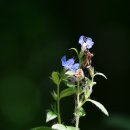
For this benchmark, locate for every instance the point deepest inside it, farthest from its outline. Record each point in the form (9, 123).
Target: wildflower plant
(78, 75)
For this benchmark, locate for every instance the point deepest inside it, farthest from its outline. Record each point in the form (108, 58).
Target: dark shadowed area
(34, 35)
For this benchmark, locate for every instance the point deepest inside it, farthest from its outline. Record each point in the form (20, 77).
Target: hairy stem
(58, 104)
(88, 95)
(77, 107)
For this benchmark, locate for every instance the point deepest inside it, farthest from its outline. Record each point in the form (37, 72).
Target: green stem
(77, 107)
(85, 100)
(58, 104)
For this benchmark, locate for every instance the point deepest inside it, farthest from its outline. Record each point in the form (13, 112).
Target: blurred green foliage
(121, 122)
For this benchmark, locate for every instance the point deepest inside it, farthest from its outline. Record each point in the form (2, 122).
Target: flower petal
(70, 62)
(89, 42)
(63, 60)
(81, 40)
(75, 67)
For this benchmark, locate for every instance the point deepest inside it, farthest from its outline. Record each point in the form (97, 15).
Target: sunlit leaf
(67, 92)
(55, 127)
(55, 78)
(50, 116)
(101, 74)
(62, 127)
(70, 128)
(100, 106)
(41, 128)
(74, 50)
(58, 127)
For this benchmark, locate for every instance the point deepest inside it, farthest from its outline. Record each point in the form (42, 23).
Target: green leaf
(58, 127)
(62, 127)
(54, 95)
(70, 128)
(82, 112)
(55, 78)
(53, 108)
(50, 116)
(87, 93)
(100, 106)
(81, 54)
(91, 71)
(74, 50)
(88, 81)
(41, 128)
(101, 74)
(67, 92)
(70, 85)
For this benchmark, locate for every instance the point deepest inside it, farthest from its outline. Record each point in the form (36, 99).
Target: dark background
(34, 35)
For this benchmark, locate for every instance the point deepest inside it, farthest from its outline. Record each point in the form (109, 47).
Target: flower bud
(79, 74)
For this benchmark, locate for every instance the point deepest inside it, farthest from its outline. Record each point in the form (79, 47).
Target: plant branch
(77, 107)
(58, 103)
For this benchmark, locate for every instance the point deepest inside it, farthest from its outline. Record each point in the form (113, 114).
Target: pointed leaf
(53, 108)
(91, 71)
(101, 74)
(55, 78)
(100, 106)
(70, 85)
(74, 50)
(54, 95)
(67, 92)
(50, 116)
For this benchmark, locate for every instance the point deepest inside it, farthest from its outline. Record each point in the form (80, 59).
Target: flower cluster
(78, 75)
(73, 68)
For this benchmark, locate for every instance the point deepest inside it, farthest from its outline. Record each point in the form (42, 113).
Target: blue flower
(69, 64)
(75, 66)
(86, 42)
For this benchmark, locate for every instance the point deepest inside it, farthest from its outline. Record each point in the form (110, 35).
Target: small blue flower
(69, 64)
(86, 42)
(75, 67)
